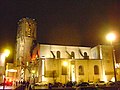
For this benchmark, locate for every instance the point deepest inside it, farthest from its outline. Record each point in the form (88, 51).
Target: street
(77, 88)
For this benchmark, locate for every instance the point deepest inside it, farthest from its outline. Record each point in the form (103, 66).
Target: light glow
(65, 63)
(7, 52)
(33, 71)
(73, 72)
(27, 63)
(11, 70)
(104, 76)
(43, 65)
(117, 65)
(113, 79)
(2, 59)
(111, 37)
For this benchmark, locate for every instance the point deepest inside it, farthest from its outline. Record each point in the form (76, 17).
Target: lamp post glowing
(111, 37)
(6, 54)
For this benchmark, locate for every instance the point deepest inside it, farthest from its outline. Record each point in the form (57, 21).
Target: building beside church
(59, 63)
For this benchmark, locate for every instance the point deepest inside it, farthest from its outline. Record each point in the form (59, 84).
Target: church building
(59, 63)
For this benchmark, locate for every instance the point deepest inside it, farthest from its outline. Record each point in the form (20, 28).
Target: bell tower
(26, 35)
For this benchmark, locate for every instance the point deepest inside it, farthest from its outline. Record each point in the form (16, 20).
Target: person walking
(28, 84)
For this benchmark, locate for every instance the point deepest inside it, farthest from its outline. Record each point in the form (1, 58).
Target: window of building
(58, 54)
(64, 70)
(81, 70)
(73, 54)
(86, 56)
(96, 70)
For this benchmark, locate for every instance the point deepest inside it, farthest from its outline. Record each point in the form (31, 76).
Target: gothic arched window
(96, 70)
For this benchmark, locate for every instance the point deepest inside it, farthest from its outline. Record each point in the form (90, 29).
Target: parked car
(83, 84)
(41, 84)
(57, 84)
(100, 83)
(118, 83)
(91, 83)
(110, 83)
(69, 84)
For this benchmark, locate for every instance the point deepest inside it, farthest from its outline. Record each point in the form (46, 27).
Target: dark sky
(66, 22)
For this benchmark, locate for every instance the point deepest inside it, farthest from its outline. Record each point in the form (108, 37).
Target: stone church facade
(59, 63)
(97, 65)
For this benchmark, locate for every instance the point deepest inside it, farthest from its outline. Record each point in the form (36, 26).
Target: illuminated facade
(2, 68)
(59, 63)
(83, 63)
(6, 69)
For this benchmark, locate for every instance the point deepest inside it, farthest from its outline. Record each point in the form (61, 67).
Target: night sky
(64, 22)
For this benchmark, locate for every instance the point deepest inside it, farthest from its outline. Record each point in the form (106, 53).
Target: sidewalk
(15, 87)
(22, 87)
(9, 87)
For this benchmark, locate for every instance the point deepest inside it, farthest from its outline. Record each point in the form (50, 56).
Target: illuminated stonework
(26, 35)
(97, 67)
(82, 63)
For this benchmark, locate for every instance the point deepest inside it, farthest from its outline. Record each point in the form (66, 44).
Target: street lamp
(6, 54)
(111, 37)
